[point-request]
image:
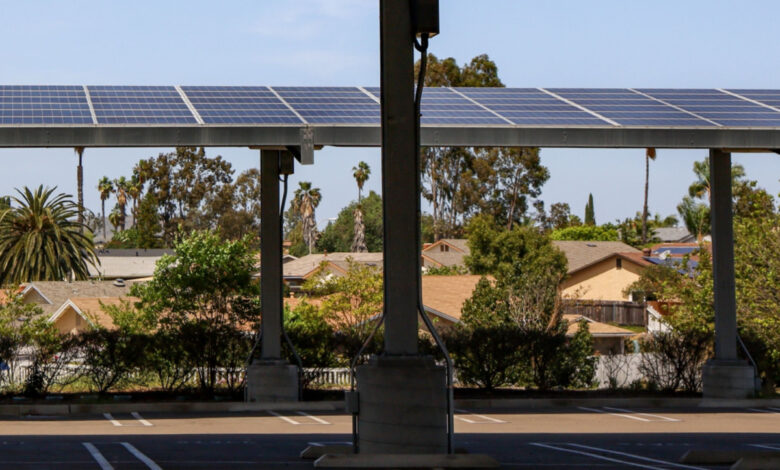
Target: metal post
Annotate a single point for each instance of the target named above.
(723, 256)
(270, 257)
(400, 192)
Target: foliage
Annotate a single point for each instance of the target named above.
(182, 182)
(350, 304)
(445, 271)
(586, 232)
(205, 291)
(148, 224)
(495, 250)
(109, 356)
(338, 235)
(695, 216)
(312, 336)
(461, 182)
(486, 356)
(590, 211)
(301, 217)
(40, 239)
(673, 360)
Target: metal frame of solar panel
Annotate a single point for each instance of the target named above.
(331, 105)
(239, 105)
(139, 105)
(722, 108)
(50, 105)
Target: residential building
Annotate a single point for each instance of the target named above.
(78, 314)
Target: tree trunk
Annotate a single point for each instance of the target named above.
(359, 240)
(103, 209)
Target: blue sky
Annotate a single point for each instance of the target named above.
(551, 43)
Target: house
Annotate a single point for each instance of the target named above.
(447, 252)
(51, 295)
(126, 264)
(444, 296)
(600, 270)
(297, 271)
(78, 314)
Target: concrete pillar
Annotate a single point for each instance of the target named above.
(401, 395)
(271, 378)
(725, 376)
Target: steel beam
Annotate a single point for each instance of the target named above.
(400, 192)
(370, 136)
(723, 256)
(270, 255)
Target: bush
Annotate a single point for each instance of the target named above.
(673, 359)
(110, 357)
(486, 356)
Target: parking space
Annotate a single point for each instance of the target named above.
(599, 437)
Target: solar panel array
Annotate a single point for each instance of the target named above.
(259, 105)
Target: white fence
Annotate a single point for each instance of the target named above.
(619, 370)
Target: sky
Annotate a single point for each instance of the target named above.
(550, 43)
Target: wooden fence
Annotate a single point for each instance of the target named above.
(606, 311)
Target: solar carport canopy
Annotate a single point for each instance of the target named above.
(115, 116)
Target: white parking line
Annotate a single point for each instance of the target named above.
(771, 411)
(766, 446)
(621, 415)
(638, 457)
(595, 456)
(111, 418)
(104, 465)
(641, 414)
(285, 418)
(313, 418)
(140, 419)
(141, 456)
(483, 417)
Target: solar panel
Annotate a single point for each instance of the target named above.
(720, 107)
(767, 97)
(629, 108)
(239, 105)
(530, 106)
(332, 105)
(139, 105)
(44, 105)
(441, 106)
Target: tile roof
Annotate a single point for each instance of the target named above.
(124, 267)
(60, 291)
(305, 265)
(580, 254)
(92, 309)
(446, 294)
(597, 329)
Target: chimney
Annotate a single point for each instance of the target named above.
(646, 252)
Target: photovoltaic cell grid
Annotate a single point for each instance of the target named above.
(331, 105)
(723, 108)
(239, 105)
(530, 106)
(139, 105)
(44, 105)
(441, 106)
(628, 108)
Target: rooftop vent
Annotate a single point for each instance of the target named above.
(119, 282)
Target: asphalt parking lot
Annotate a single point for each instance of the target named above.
(571, 438)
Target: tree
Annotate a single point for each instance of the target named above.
(590, 213)
(701, 188)
(586, 232)
(134, 189)
(361, 174)
(205, 291)
(695, 216)
(148, 223)
(649, 155)
(182, 182)
(461, 182)
(120, 186)
(304, 203)
(106, 188)
(41, 239)
(338, 235)
(561, 216)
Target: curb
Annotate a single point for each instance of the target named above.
(74, 409)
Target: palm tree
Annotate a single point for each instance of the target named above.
(305, 201)
(361, 174)
(120, 186)
(134, 189)
(701, 186)
(115, 218)
(41, 239)
(80, 183)
(649, 155)
(695, 216)
(106, 187)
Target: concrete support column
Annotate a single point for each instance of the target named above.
(402, 396)
(271, 378)
(725, 376)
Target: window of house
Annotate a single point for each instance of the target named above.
(444, 248)
(619, 263)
